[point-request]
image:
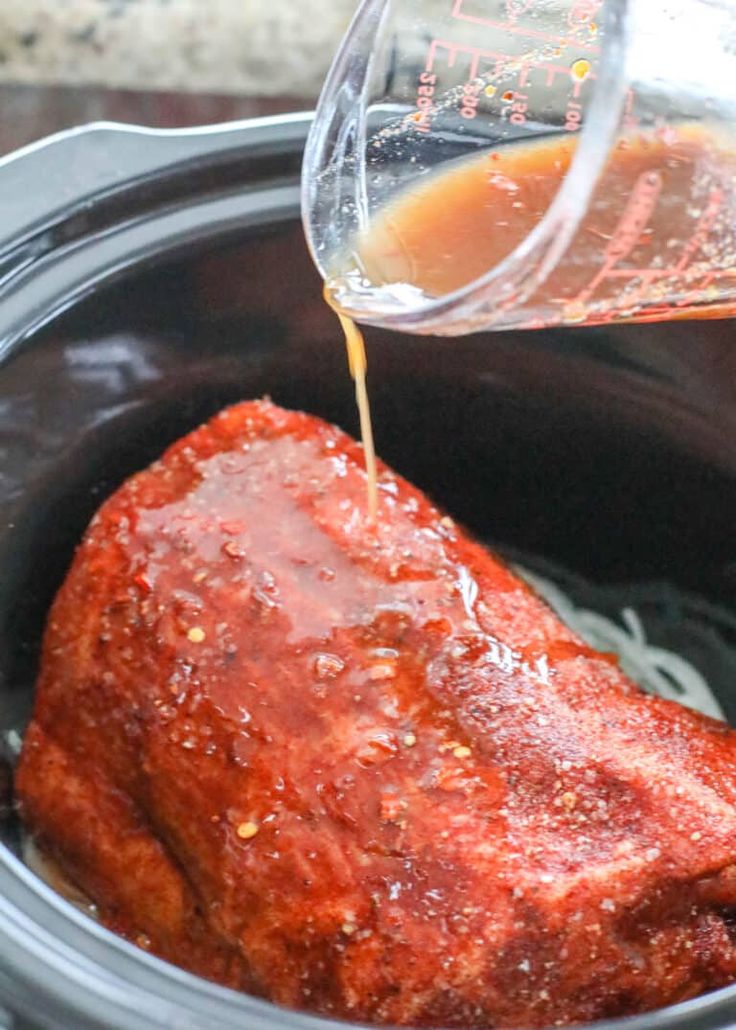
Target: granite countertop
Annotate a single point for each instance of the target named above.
(237, 47)
(166, 63)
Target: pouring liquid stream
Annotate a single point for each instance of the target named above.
(640, 253)
(358, 365)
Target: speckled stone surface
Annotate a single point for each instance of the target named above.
(246, 47)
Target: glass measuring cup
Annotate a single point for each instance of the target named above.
(525, 163)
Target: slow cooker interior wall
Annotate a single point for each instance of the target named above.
(566, 446)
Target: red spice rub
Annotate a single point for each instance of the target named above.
(366, 774)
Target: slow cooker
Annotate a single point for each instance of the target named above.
(149, 278)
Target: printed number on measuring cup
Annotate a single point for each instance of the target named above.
(573, 116)
(425, 90)
(468, 108)
(517, 109)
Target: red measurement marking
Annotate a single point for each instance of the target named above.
(638, 273)
(662, 310)
(633, 222)
(635, 218)
(657, 313)
(705, 223)
(696, 293)
(469, 101)
(648, 275)
(421, 121)
(425, 107)
(510, 27)
(476, 55)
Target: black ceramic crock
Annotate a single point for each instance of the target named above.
(149, 278)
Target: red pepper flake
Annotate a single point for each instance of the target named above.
(391, 807)
(142, 581)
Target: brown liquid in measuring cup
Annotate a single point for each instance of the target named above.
(657, 239)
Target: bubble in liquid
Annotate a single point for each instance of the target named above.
(580, 69)
(667, 134)
(574, 313)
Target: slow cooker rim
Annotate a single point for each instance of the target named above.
(38, 925)
(166, 152)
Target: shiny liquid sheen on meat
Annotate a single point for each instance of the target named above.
(365, 771)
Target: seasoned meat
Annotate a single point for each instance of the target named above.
(365, 773)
